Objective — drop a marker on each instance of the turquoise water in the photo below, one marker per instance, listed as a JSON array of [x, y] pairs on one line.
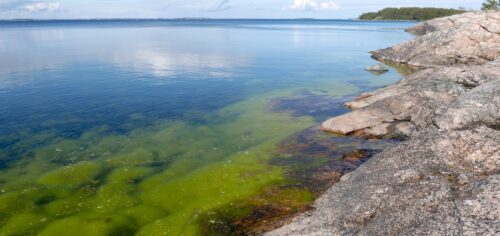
[[149, 127]]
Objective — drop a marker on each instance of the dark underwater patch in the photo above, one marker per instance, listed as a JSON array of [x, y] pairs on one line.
[[306, 103], [312, 155], [313, 161], [258, 214]]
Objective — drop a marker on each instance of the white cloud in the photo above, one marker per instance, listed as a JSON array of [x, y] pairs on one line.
[[313, 5], [41, 6]]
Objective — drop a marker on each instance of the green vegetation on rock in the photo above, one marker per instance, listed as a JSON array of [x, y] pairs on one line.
[[410, 13]]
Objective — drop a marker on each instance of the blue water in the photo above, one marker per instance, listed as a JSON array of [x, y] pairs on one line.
[[61, 81], [62, 69]]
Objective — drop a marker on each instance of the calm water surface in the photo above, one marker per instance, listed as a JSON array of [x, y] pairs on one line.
[[150, 127]]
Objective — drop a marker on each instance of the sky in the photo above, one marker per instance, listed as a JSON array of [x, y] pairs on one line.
[[325, 9]]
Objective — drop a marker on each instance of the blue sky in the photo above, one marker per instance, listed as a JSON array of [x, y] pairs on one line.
[[338, 9]]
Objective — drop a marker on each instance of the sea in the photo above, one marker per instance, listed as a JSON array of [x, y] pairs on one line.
[[175, 127]]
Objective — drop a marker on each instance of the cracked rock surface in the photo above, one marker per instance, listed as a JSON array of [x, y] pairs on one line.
[[414, 188], [421, 97], [444, 179], [470, 38], [487, 19]]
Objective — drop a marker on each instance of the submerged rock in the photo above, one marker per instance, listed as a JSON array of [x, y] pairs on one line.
[[445, 178], [313, 161], [378, 68], [306, 103]]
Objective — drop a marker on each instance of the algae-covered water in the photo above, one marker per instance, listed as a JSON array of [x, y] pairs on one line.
[[167, 127]]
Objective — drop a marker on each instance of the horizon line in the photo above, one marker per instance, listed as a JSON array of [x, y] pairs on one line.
[[174, 18], [186, 18]]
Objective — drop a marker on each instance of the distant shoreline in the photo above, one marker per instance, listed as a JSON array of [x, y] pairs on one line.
[[411, 13], [197, 19]]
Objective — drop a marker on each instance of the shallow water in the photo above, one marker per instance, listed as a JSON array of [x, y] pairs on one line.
[[166, 127]]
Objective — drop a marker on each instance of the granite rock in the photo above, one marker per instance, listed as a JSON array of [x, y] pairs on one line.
[[471, 38], [444, 179]]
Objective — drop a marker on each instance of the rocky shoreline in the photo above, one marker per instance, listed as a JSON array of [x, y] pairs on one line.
[[444, 179]]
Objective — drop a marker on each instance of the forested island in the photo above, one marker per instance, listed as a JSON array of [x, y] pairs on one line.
[[410, 13]]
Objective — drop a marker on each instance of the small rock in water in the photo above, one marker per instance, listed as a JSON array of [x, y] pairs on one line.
[[378, 68]]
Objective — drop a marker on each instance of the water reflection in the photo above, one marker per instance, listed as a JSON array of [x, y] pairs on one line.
[[142, 54], [128, 128], [165, 64]]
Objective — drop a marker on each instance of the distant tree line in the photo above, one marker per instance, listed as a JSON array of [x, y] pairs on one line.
[[410, 13], [491, 5]]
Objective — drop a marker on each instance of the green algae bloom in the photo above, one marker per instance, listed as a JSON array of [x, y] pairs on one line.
[[164, 179]]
